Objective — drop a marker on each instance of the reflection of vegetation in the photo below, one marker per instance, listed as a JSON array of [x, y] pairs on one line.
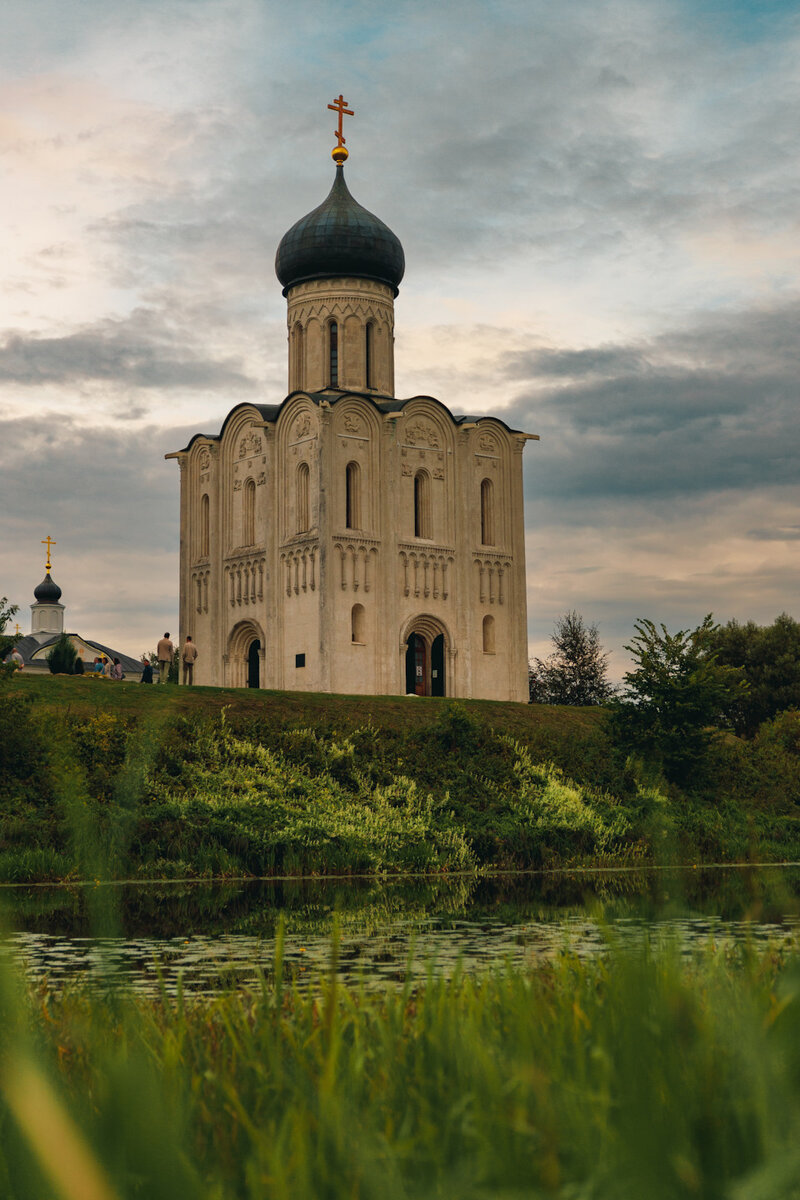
[[636, 1075], [364, 905]]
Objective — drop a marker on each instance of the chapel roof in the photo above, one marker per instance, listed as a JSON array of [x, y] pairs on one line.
[[47, 592], [332, 396], [29, 645]]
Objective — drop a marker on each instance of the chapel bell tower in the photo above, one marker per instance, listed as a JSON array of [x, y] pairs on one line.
[[340, 267]]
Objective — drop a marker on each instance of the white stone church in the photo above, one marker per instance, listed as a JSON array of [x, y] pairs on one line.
[[344, 540]]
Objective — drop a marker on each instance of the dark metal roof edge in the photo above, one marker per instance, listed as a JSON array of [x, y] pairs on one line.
[[385, 404]]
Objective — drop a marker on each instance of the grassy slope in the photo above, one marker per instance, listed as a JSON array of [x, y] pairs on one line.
[[82, 695], [291, 782]]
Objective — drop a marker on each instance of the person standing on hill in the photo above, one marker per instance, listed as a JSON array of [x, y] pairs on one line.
[[165, 652], [189, 654]]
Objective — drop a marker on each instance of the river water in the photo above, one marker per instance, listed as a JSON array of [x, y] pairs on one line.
[[206, 938]]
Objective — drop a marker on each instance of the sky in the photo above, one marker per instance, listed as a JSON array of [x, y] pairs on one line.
[[599, 204]]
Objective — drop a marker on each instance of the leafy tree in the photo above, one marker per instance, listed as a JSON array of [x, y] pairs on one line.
[[674, 696], [769, 657], [61, 659], [7, 642], [576, 673]]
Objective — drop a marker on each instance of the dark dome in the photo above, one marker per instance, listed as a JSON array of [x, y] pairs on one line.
[[339, 238], [47, 592]]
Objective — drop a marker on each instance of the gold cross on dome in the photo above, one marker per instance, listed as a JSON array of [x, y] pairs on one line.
[[340, 106], [48, 541]]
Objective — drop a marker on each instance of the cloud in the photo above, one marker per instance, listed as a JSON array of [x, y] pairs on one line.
[[708, 408], [112, 504], [140, 351]]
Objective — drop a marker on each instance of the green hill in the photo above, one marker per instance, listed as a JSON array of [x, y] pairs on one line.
[[106, 779]]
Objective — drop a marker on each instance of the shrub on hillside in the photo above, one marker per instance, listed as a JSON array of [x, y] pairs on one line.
[[61, 659], [24, 764]]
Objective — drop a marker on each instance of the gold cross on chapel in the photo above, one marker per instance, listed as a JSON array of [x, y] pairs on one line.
[[48, 541], [340, 106]]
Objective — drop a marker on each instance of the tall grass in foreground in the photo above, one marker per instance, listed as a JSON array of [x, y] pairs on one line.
[[638, 1076]]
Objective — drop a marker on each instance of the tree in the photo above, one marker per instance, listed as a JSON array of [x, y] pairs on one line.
[[7, 642], [674, 696], [577, 672], [61, 658], [769, 657]]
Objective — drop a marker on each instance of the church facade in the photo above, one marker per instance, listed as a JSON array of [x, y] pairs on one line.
[[345, 540]]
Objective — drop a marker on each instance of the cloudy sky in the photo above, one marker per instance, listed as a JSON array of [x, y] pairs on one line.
[[600, 208]]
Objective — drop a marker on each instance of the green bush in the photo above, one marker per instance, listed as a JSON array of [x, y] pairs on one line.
[[61, 659]]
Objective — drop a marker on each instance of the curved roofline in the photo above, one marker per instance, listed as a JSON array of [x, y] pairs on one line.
[[271, 413], [340, 237]]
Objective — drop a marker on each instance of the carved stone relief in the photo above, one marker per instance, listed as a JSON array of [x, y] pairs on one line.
[[420, 433], [250, 444]]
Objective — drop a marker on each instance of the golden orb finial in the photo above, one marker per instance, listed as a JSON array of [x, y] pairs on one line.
[[339, 155]]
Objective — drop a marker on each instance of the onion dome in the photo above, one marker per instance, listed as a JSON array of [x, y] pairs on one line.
[[339, 238], [47, 592]]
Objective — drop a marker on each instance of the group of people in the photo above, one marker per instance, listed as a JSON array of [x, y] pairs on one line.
[[165, 654], [102, 665]]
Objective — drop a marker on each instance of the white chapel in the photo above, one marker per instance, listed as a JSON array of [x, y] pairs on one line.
[[345, 540]]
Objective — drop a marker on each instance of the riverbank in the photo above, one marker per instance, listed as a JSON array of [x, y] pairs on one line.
[[100, 779]]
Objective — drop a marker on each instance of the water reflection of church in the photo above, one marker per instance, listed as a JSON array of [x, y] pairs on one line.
[[344, 540]]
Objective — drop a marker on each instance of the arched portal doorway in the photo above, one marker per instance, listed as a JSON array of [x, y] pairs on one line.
[[416, 665], [437, 666], [244, 660], [428, 652], [254, 664]]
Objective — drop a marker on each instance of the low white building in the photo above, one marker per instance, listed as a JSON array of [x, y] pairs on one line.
[[47, 625]]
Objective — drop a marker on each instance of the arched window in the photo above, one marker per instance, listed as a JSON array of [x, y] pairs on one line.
[[204, 526], [333, 355], [423, 524], [303, 522], [358, 624], [488, 635], [369, 353], [249, 513], [352, 515], [297, 356], [487, 513]]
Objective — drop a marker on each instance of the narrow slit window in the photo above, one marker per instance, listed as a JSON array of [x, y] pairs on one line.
[[333, 354], [353, 496], [303, 521], [369, 343], [204, 525], [357, 624], [487, 513], [488, 635], [249, 513], [422, 505], [297, 347]]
